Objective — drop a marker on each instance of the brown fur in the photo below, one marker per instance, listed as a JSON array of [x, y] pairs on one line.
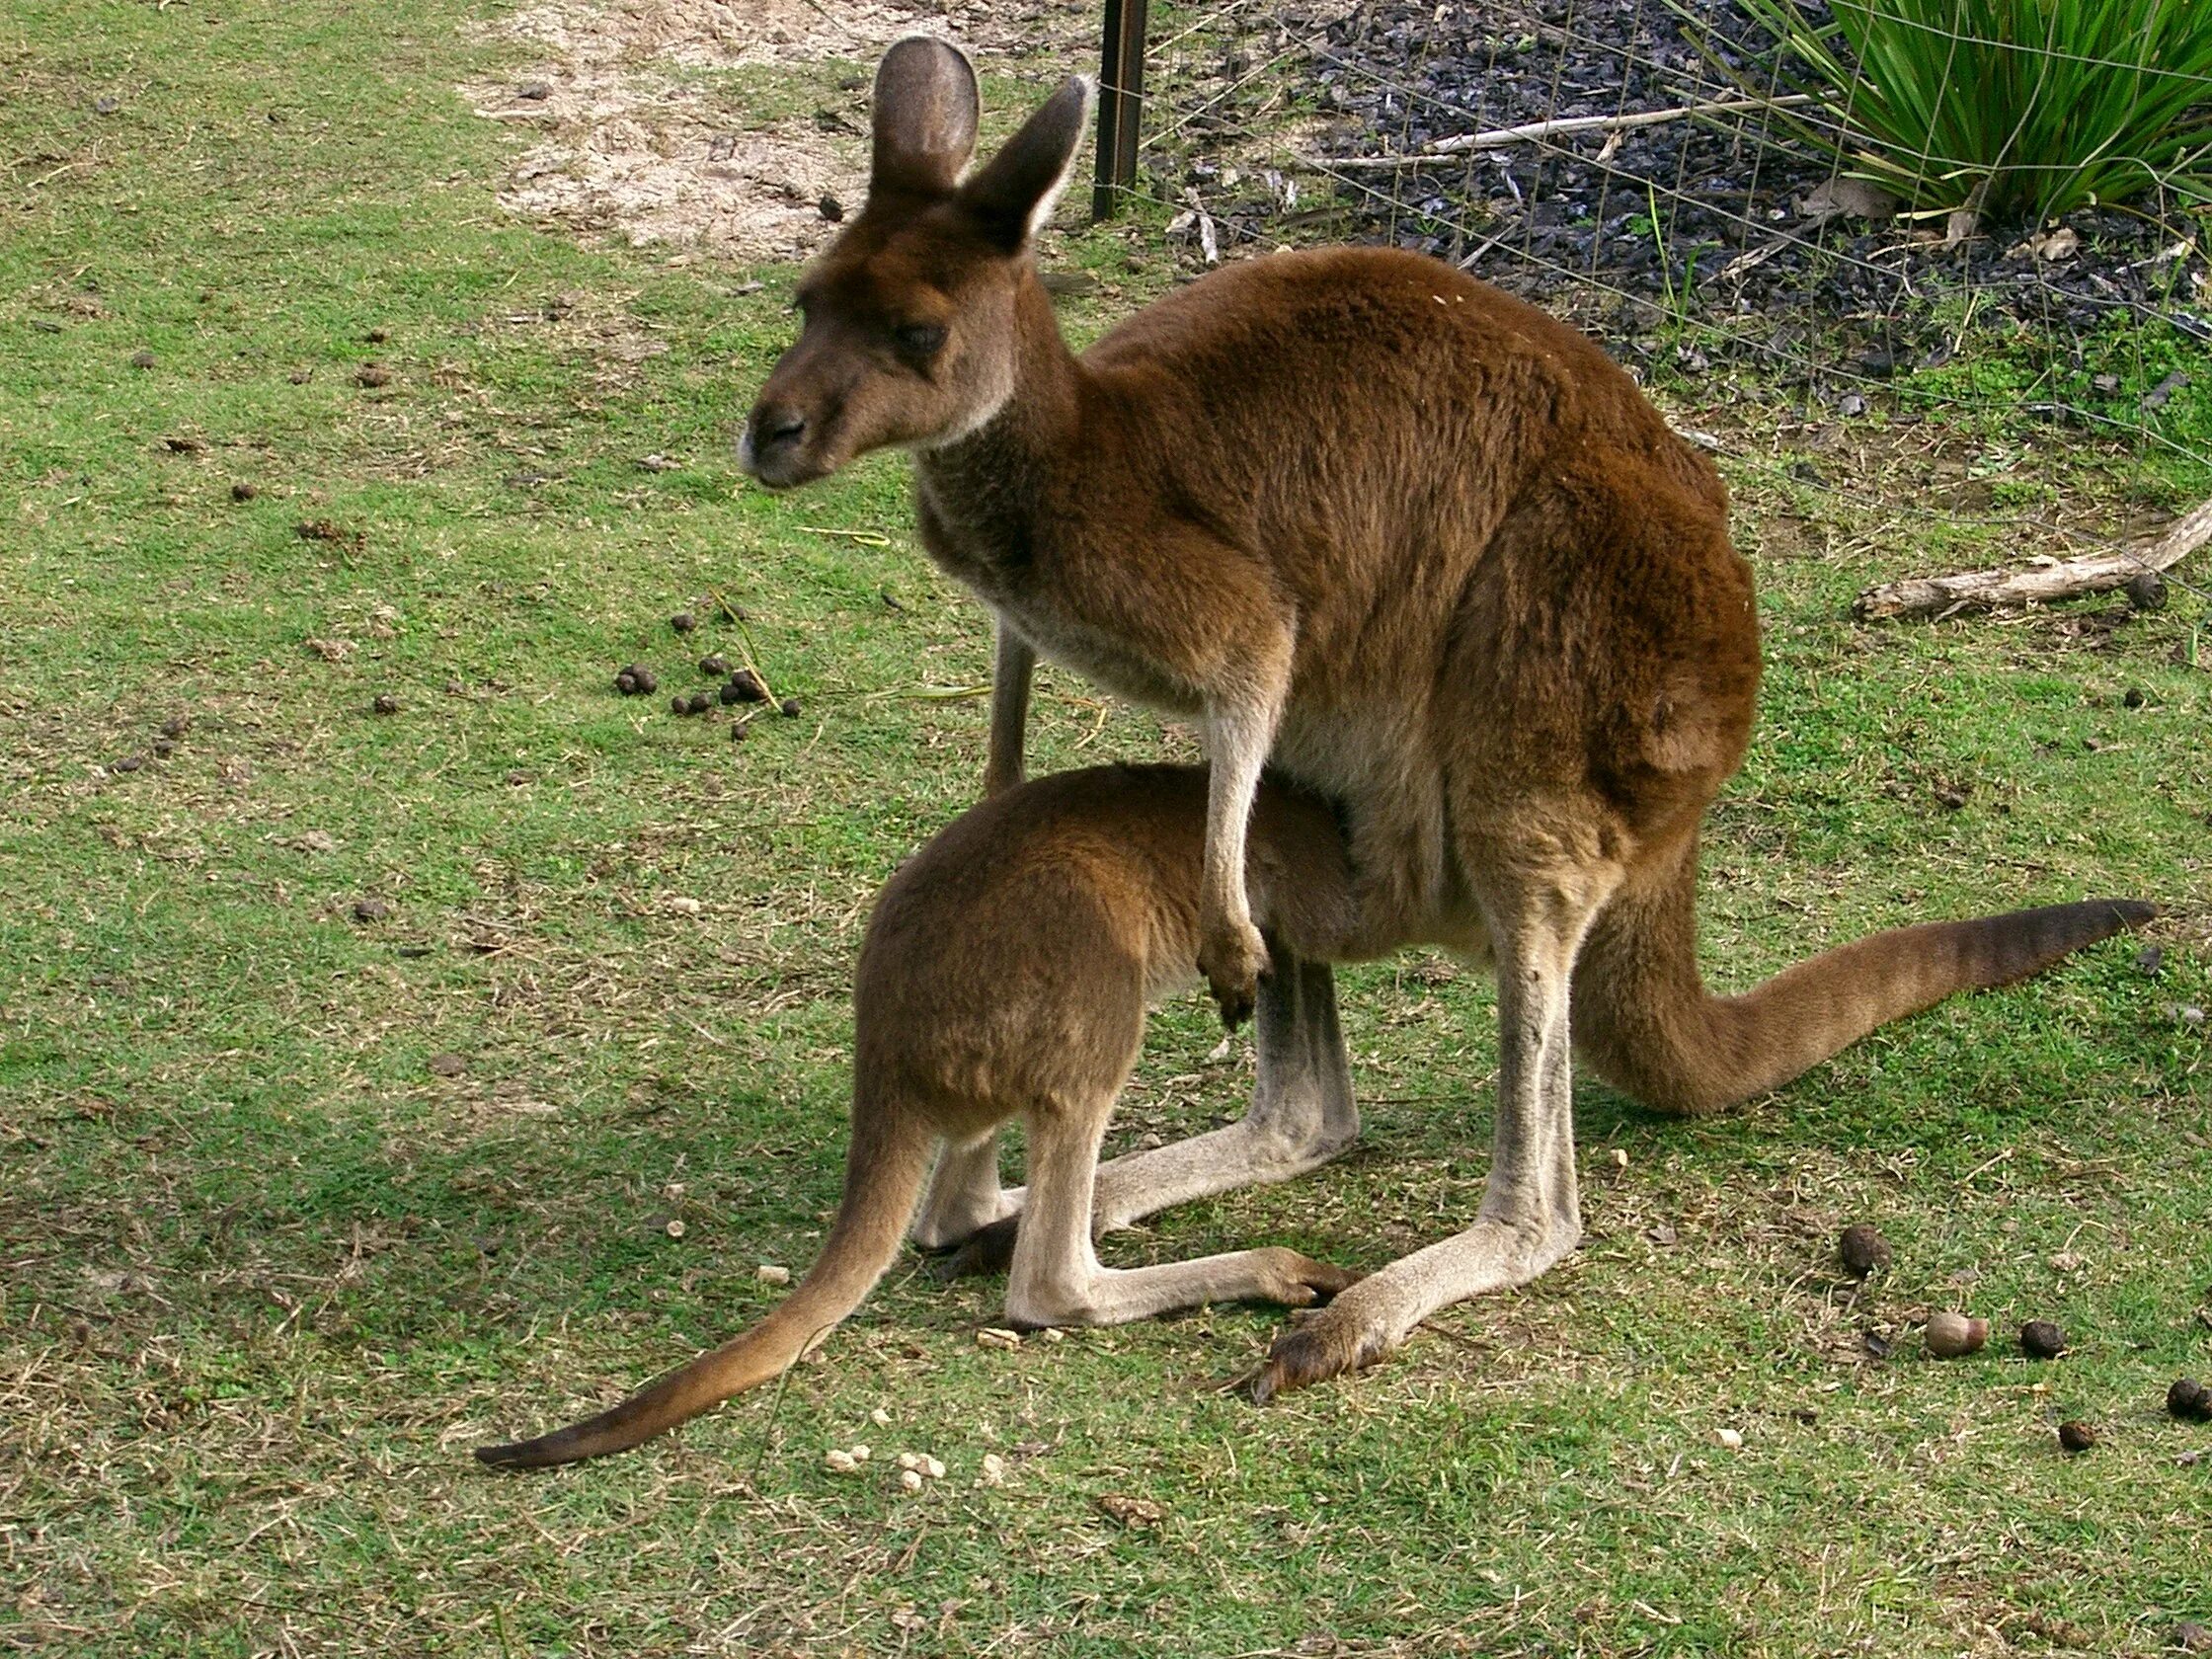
[[1425, 548], [1005, 974]]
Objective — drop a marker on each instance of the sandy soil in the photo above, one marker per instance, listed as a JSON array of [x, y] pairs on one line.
[[631, 147]]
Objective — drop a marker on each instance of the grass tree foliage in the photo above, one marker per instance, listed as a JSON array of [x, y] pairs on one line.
[[2016, 108]]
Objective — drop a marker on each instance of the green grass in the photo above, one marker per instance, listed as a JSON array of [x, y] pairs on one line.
[[264, 1278]]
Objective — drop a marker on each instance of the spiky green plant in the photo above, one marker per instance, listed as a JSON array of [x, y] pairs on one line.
[[2015, 107]]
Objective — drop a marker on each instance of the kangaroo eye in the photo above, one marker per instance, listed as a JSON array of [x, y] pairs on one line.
[[920, 339]]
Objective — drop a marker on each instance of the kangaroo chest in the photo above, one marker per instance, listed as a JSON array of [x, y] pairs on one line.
[[1007, 561]]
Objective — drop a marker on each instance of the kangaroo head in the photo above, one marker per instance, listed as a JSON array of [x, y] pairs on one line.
[[910, 334]]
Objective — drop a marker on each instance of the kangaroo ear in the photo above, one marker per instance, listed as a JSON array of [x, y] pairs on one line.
[[1016, 191], [924, 117]]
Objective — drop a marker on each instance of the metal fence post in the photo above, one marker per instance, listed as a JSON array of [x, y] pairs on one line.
[[1121, 103]]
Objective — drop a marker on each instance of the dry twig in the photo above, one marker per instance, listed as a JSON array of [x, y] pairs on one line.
[[2038, 583], [1536, 132]]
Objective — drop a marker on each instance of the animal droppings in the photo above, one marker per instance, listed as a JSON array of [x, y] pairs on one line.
[[714, 667], [700, 702], [684, 621], [2042, 1340], [674, 1229], [372, 375], [385, 703], [770, 1274], [2189, 1400], [748, 685], [1728, 1440], [1951, 1336], [790, 707], [911, 1480], [839, 1462], [1863, 1250], [2076, 1437], [370, 910], [993, 1471], [243, 492]]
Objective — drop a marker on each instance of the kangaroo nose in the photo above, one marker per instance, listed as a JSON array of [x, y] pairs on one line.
[[774, 426]]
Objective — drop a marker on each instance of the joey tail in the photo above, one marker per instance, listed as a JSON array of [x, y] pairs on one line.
[[884, 1173], [1643, 1020]]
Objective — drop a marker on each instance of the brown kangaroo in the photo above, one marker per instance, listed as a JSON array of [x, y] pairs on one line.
[[1005, 972], [1424, 548]]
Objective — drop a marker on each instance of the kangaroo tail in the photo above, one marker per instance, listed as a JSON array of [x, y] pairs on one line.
[[884, 1172], [1643, 1020]]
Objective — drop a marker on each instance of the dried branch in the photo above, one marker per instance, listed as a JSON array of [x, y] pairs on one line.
[[1536, 132], [2058, 579]]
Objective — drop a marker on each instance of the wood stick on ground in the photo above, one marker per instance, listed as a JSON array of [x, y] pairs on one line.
[[1533, 132], [2059, 579]]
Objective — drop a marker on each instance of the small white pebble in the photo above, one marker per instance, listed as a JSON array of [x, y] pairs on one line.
[[770, 1274], [879, 1417], [675, 1230], [839, 1462], [859, 1454], [911, 1480], [990, 1336], [1728, 1440], [685, 907], [933, 1469], [995, 1469], [908, 1461]]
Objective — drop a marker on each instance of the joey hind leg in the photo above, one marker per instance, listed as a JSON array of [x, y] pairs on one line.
[[1303, 1114], [964, 1197], [1056, 1278]]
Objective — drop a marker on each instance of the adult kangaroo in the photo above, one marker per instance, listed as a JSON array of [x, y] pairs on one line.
[[1426, 549]]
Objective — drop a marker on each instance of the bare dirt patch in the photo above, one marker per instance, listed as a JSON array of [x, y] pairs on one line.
[[635, 143]]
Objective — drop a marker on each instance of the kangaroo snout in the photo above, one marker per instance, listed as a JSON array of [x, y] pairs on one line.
[[771, 448]]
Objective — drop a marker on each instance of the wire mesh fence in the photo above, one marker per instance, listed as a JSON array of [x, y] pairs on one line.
[[1641, 168]]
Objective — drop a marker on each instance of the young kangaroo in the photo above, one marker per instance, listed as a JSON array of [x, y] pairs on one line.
[[1425, 548], [1004, 974]]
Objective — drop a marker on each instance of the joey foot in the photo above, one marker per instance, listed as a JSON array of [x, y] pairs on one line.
[[989, 1249], [1298, 1281], [1329, 1344], [1233, 956]]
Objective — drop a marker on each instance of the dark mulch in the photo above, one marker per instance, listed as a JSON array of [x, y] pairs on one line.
[[1691, 220]]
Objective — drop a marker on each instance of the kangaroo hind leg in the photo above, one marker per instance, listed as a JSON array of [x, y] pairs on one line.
[[1056, 1277]]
